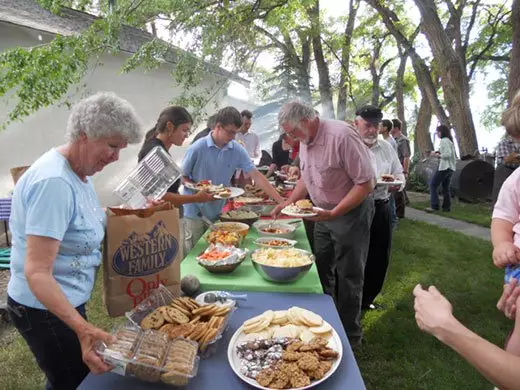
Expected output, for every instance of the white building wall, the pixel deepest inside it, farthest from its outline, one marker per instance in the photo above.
(149, 93)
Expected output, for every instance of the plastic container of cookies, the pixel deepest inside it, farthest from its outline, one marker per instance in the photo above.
(151, 357)
(161, 297)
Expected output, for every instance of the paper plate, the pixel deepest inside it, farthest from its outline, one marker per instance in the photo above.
(292, 183)
(389, 183)
(234, 360)
(298, 215)
(235, 191)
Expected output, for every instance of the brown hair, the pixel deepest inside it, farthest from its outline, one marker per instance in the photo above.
(511, 117)
(174, 114)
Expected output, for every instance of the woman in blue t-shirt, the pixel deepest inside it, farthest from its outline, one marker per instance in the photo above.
(57, 225)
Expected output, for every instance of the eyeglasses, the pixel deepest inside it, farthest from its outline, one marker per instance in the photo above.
(230, 132)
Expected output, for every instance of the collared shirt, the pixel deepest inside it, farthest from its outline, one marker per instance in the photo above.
(505, 148)
(206, 161)
(403, 147)
(50, 200)
(335, 161)
(387, 162)
(251, 142)
(448, 156)
(391, 141)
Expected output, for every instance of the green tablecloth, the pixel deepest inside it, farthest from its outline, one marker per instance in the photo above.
(245, 278)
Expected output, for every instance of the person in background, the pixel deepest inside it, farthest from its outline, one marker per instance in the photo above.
(249, 139)
(508, 150)
(210, 124)
(57, 226)
(384, 130)
(216, 157)
(172, 128)
(282, 152)
(386, 161)
(337, 173)
(403, 152)
(447, 165)
(434, 315)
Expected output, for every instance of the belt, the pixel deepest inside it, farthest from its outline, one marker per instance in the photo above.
(381, 201)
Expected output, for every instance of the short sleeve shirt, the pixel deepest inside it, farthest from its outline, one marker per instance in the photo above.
(507, 206)
(335, 161)
(206, 161)
(403, 147)
(505, 148)
(50, 200)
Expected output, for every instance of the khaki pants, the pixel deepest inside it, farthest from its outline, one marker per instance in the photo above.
(193, 230)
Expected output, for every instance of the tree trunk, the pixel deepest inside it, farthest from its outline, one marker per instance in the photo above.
(323, 69)
(454, 80)
(422, 72)
(422, 128)
(300, 66)
(399, 90)
(345, 60)
(514, 63)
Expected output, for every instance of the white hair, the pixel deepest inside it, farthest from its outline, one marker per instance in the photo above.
(295, 111)
(104, 114)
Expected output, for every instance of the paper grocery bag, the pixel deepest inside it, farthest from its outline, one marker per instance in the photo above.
(141, 250)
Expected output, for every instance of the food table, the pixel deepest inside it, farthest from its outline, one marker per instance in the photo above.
(216, 373)
(245, 277)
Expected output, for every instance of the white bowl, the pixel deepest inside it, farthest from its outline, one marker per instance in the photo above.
(264, 242)
(291, 230)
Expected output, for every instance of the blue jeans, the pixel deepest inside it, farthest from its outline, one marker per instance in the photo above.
(441, 177)
(393, 211)
(54, 345)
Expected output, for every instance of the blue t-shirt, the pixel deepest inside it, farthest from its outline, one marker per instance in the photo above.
(206, 161)
(50, 200)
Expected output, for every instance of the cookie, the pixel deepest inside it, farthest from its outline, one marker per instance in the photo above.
(265, 377)
(181, 308)
(294, 346)
(308, 362)
(319, 330)
(177, 316)
(154, 320)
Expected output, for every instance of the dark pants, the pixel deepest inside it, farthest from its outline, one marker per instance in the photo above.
(378, 252)
(341, 248)
(309, 230)
(441, 177)
(400, 203)
(54, 345)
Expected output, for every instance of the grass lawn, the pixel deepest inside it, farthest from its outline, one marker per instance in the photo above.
(477, 213)
(396, 354)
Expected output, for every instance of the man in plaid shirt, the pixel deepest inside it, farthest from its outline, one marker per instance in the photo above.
(508, 153)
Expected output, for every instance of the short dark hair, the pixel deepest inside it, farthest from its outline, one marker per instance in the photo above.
(228, 116)
(210, 124)
(396, 123)
(387, 124)
(445, 132)
(248, 114)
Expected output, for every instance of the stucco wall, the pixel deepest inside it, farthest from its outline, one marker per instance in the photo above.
(22, 143)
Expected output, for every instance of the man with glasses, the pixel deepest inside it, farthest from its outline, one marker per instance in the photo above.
(336, 170)
(216, 157)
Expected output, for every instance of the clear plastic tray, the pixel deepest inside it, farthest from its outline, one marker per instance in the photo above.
(150, 180)
(153, 357)
(161, 296)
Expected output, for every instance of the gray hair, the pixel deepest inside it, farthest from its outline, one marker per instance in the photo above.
(295, 111)
(104, 114)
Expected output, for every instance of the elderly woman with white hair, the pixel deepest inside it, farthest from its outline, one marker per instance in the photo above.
(58, 225)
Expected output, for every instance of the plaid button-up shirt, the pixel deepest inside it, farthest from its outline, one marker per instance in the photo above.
(505, 148)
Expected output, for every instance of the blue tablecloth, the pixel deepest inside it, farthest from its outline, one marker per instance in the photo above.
(215, 372)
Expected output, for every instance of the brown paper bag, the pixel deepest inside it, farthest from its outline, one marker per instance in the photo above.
(142, 249)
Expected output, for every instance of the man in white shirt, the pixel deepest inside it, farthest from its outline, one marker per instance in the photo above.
(249, 139)
(386, 162)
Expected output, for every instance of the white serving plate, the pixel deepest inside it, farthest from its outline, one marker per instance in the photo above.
(235, 191)
(234, 360)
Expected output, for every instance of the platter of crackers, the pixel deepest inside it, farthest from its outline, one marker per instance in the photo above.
(285, 349)
(182, 317)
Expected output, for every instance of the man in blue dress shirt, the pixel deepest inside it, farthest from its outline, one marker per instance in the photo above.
(216, 157)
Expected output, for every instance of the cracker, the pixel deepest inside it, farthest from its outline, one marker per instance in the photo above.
(177, 316)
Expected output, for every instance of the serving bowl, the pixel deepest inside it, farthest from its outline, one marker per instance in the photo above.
(289, 230)
(265, 242)
(228, 217)
(280, 274)
(222, 268)
(239, 227)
